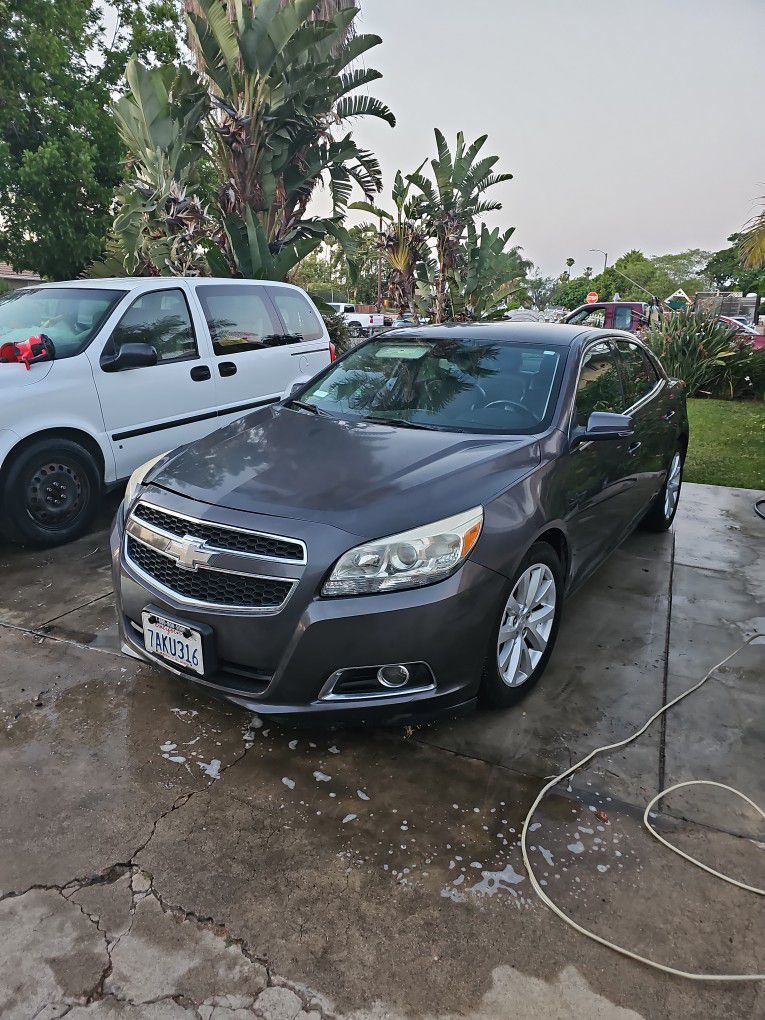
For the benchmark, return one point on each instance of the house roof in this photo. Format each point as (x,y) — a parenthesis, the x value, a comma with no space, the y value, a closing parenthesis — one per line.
(7,272)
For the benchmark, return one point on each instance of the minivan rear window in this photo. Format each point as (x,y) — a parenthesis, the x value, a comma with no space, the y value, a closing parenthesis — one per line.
(239,317)
(70,316)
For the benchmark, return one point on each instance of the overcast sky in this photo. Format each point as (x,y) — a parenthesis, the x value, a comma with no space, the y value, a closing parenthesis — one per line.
(626,123)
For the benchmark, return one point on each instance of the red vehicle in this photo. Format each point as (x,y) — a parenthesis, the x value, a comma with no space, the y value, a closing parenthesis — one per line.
(745,332)
(629,315)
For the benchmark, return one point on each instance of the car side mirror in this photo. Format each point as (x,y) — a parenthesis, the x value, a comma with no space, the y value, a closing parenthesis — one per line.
(295,385)
(604,425)
(130,355)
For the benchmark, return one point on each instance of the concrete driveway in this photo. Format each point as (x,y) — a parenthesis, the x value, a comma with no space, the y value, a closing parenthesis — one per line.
(164,855)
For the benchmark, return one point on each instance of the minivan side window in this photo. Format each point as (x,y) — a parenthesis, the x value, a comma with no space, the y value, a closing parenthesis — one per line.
(239,317)
(639,374)
(599,387)
(160,318)
(301,320)
(623,317)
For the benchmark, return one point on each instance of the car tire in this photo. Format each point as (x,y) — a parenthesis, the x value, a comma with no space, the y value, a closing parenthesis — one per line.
(509,673)
(52,492)
(661,512)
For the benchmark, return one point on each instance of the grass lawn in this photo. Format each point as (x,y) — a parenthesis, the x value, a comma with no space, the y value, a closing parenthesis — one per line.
(727,444)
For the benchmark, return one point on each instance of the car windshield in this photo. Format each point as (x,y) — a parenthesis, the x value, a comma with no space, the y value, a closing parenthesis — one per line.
(70,316)
(467,385)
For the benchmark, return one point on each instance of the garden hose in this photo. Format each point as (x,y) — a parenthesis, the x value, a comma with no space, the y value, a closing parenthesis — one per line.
(758,508)
(699,864)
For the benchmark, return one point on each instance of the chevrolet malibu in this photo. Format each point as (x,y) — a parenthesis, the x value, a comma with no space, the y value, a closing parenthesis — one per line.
(398,534)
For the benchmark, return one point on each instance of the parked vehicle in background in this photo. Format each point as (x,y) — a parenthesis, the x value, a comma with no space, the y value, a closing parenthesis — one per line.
(137,367)
(629,315)
(744,331)
(359,323)
(402,530)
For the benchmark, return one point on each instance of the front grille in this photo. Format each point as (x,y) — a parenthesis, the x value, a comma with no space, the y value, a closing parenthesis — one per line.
(221,538)
(212,587)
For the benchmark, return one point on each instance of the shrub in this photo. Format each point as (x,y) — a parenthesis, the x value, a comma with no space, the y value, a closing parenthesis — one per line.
(702,352)
(336,327)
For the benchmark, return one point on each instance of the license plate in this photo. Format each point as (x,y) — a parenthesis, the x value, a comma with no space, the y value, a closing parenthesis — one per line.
(173,641)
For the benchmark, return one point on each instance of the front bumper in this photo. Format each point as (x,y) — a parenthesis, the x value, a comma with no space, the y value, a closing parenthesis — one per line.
(283,664)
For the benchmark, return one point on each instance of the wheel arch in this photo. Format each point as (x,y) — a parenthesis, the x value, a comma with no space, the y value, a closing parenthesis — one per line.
(556,538)
(83,439)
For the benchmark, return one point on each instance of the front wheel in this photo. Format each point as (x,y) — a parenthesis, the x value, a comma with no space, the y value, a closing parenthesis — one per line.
(52,492)
(524,634)
(662,511)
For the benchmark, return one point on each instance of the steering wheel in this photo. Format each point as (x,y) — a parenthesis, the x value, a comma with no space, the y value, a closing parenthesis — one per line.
(530,418)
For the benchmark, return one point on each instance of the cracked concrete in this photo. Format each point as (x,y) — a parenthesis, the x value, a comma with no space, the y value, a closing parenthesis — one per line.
(134,883)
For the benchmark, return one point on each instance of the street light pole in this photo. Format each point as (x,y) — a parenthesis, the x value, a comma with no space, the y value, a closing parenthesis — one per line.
(604,254)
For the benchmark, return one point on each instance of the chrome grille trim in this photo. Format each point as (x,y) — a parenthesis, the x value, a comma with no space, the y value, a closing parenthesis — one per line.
(228,527)
(173,547)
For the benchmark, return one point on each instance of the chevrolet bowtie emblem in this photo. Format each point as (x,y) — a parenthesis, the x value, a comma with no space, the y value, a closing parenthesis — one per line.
(190,552)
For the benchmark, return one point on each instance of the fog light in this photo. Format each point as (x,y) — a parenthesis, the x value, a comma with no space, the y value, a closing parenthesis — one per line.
(393,676)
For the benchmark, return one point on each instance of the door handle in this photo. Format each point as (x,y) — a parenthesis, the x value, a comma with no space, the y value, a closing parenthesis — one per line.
(633,448)
(199,373)
(226,368)
(668,416)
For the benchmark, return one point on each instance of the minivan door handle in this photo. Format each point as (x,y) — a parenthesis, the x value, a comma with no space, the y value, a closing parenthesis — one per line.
(226,368)
(199,373)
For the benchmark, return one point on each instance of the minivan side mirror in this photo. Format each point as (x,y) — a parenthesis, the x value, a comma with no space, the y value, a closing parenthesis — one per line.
(130,355)
(604,425)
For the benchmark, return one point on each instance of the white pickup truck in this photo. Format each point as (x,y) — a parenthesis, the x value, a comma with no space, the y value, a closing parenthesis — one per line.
(359,323)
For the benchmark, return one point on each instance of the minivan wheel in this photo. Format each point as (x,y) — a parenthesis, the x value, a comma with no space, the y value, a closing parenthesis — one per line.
(52,492)
(524,633)
(662,511)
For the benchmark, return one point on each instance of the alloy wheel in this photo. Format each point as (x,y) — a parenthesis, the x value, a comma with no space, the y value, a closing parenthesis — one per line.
(672,485)
(526,624)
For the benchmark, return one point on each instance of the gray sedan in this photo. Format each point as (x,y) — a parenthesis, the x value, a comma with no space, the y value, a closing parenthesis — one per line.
(398,535)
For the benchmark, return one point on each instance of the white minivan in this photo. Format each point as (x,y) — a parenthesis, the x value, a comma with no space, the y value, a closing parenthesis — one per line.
(140,366)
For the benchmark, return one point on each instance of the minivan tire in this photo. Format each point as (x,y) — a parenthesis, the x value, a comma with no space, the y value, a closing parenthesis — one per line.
(494,689)
(52,492)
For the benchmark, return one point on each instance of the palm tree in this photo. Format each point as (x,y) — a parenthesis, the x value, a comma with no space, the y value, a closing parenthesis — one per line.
(402,243)
(452,201)
(752,243)
(278,82)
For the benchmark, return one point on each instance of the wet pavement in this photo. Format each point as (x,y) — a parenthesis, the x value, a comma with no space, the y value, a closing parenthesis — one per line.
(165,855)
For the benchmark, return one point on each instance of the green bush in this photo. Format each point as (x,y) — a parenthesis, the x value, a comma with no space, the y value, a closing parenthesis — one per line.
(702,352)
(336,327)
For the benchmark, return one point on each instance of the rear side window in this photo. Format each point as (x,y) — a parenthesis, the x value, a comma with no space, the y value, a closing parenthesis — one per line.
(599,387)
(301,320)
(239,317)
(161,319)
(639,374)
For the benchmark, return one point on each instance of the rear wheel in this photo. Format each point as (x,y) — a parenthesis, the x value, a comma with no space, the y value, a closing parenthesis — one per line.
(524,634)
(354,328)
(662,511)
(52,492)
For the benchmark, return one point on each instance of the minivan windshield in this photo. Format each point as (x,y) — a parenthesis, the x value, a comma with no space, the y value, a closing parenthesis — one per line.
(467,385)
(70,316)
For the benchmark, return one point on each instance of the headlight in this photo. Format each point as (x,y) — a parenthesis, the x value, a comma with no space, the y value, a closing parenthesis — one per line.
(413,558)
(136,479)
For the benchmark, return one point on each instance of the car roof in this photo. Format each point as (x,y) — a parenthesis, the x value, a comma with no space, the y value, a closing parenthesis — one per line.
(530,332)
(132,282)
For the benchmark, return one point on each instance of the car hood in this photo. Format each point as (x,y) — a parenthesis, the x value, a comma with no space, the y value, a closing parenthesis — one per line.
(368,479)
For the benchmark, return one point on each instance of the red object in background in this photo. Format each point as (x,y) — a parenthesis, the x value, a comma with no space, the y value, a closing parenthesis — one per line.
(592,297)
(332,351)
(27,352)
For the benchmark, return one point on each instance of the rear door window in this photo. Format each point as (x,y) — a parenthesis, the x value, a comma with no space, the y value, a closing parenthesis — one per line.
(623,318)
(639,374)
(161,319)
(599,387)
(299,317)
(240,318)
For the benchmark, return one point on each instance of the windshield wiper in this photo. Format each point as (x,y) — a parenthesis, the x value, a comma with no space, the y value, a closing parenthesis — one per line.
(402,423)
(305,406)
